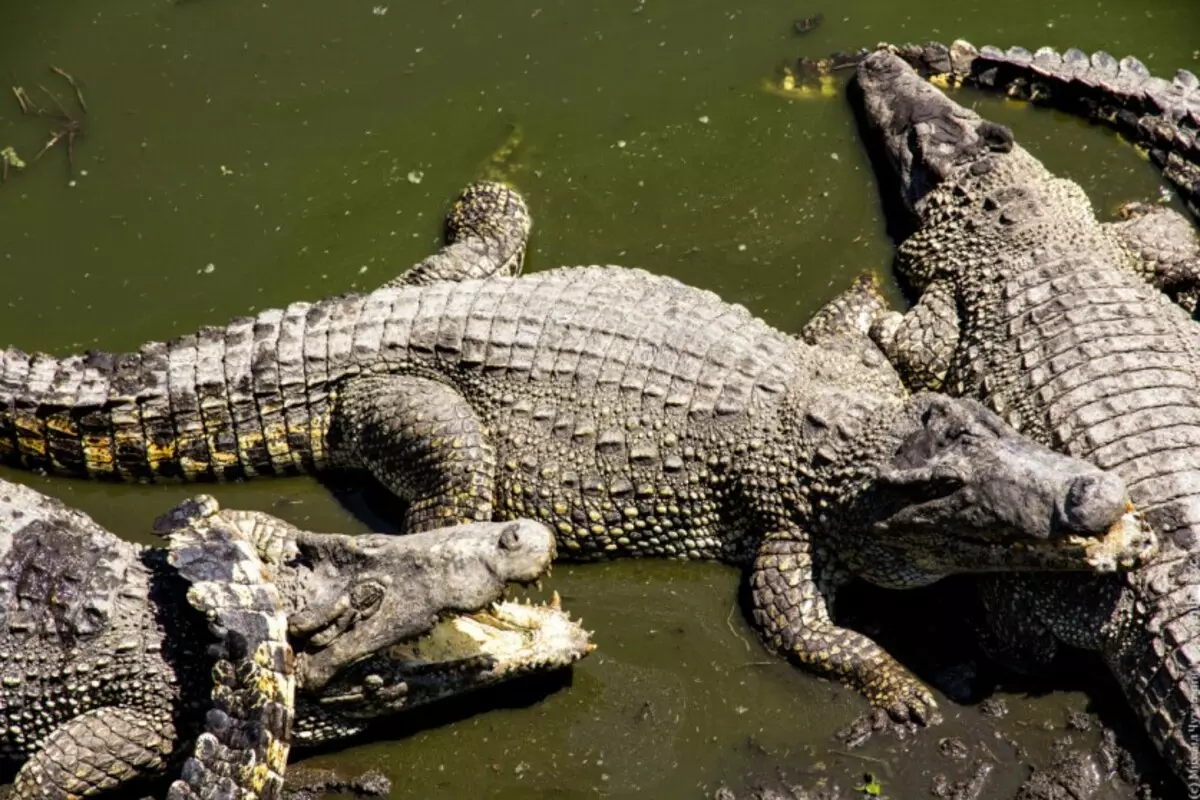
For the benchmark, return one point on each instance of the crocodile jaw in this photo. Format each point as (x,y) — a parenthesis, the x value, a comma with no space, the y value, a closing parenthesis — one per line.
(1129,543)
(462,652)
(517,637)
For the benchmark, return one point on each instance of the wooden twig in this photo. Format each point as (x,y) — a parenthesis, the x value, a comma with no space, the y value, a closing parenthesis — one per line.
(75,86)
(22,98)
(54,139)
(66,114)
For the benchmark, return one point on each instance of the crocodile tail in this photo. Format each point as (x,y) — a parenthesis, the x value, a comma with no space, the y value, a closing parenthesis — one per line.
(1162,116)
(200,407)
(1156,660)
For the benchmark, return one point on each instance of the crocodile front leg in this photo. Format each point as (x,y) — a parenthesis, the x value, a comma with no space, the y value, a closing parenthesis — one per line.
(1163,247)
(1014,635)
(921,343)
(95,752)
(793,586)
(850,315)
(487,231)
(421,440)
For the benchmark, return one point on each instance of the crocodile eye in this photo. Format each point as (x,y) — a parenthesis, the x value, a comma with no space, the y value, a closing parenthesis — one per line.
(366,597)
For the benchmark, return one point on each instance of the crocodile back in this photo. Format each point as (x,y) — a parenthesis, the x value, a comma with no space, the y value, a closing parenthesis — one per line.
(61,574)
(669,344)
(254,397)
(1061,337)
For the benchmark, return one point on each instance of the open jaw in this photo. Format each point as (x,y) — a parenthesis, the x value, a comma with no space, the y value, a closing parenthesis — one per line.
(461,653)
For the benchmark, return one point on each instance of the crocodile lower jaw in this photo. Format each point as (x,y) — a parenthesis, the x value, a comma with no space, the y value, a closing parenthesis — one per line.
(1129,543)
(514,636)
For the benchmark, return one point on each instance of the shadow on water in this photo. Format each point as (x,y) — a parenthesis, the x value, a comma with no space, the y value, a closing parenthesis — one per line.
(244,156)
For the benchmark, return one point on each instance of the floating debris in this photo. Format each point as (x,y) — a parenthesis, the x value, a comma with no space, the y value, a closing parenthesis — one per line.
(808,24)
(66,125)
(9,158)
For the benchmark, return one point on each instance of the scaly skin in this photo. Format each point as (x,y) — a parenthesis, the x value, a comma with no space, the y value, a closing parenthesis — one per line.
(634,414)
(1035,310)
(106,670)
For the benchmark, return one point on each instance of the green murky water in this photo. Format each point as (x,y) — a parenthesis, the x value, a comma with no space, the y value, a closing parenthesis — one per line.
(243,155)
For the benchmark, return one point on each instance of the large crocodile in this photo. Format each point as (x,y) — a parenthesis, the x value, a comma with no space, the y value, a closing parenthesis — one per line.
(104,672)
(1161,116)
(1026,302)
(634,414)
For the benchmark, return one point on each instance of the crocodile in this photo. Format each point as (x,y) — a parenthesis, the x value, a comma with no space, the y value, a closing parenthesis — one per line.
(105,677)
(1160,116)
(634,414)
(1024,302)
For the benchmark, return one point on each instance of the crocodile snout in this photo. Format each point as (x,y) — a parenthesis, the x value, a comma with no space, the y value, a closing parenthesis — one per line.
(1093,503)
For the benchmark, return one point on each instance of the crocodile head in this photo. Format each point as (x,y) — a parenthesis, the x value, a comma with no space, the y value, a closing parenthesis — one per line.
(923,136)
(961,491)
(351,597)
(462,652)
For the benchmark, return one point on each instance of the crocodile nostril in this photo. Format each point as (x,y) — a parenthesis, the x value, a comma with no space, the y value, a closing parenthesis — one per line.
(1093,503)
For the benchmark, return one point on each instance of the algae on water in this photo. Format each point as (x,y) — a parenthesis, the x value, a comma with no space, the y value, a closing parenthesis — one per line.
(10,158)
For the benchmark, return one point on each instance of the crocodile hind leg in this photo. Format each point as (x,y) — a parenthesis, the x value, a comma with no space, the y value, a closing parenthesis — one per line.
(793,586)
(487,230)
(1163,247)
(850,315)
(921,343)
(421,440)
(94,752)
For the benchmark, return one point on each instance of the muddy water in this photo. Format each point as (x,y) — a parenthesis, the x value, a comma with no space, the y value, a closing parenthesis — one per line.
(243,155)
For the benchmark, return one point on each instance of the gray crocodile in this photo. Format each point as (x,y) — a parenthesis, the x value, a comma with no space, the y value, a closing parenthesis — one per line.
(1162,116)
(632,413)
(1027,303)
(105,674)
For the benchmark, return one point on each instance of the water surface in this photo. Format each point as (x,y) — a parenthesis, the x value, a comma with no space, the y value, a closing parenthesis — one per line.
(239,156)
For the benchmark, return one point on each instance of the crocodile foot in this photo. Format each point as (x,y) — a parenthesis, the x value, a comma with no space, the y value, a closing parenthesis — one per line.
(903,697)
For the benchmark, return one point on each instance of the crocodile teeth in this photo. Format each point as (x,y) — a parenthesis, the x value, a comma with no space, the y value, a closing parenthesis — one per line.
(556,601)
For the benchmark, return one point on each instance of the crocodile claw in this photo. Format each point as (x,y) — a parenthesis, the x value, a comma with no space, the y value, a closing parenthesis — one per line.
(907,700)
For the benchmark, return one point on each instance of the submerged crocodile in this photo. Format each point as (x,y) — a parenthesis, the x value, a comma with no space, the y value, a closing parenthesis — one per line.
(105,673)
(1026,302)
(632,413)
